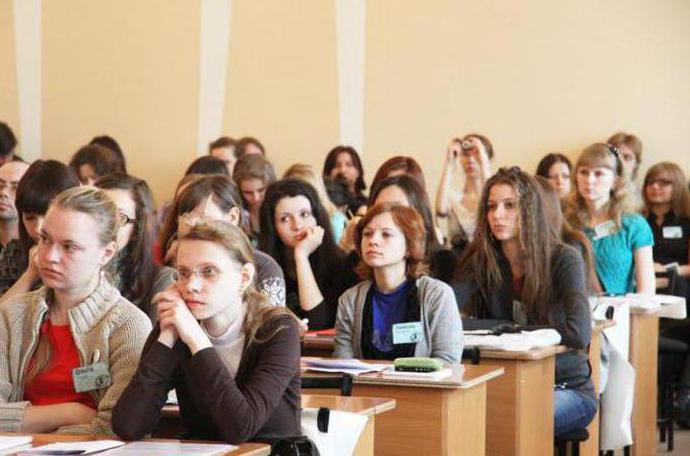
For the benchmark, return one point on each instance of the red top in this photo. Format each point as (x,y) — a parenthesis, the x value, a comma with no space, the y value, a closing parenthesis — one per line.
(54,385)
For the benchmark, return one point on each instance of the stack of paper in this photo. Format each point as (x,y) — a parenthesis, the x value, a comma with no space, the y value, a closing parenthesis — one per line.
(10,444)
(90,447)
(346,366)
(169,448)
(523,341)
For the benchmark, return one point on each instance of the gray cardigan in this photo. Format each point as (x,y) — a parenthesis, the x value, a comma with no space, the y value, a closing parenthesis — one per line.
(440,320)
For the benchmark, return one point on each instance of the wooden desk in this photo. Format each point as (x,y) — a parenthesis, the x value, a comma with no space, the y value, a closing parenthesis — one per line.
(320,346)
(591,446)
(246,449)
(370,406)
(519,418)
(432,417)
(644,344)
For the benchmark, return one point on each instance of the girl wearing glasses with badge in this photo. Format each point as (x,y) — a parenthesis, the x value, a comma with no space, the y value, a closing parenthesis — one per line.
(473,154)
(621,241)
(518,268)
(69,348)
(133,270)
(399,311)
(232,357)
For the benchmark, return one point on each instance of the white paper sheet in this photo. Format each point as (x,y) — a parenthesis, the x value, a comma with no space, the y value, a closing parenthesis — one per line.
(346,366)
(90,447)
(7,442)
(170,448)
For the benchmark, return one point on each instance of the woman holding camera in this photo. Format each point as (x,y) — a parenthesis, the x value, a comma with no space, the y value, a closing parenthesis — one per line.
(473,153)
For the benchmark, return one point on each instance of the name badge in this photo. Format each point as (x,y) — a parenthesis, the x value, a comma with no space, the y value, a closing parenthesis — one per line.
(90,378)
(604,229)
(673,232)
(407,333)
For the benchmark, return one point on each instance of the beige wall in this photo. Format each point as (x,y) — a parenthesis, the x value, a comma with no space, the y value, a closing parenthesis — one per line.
(9,103)
(534,76)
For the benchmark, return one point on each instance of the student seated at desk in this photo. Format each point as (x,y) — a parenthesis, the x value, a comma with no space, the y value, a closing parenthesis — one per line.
(232,357)
(399,311)
(76,320)
(621,241)
(518,268)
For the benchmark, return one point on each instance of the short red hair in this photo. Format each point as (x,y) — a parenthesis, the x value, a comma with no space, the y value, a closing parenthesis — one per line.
(412,226)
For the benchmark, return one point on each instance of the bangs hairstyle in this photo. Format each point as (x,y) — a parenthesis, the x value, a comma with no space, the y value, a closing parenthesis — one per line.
(259,311)
(407,166)
(136,267)
(411,224)
(598,155)
(481,261)
(680,197)
(41,183)
(219,188)
(418,200)
(332,158)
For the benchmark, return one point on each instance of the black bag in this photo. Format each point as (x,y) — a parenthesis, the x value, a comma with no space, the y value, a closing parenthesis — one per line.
(294,446)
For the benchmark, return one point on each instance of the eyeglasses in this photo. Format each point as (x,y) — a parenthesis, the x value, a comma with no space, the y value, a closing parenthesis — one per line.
(206,273)
(660,182)
(125,219)
(12,186)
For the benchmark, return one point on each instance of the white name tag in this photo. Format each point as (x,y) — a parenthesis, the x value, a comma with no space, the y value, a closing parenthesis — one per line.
(90,378)
(407,333)
(673,232)
(604,229)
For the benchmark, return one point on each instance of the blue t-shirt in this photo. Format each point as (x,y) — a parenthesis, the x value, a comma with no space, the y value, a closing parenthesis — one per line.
(613,253)
(338,222)
(389,309)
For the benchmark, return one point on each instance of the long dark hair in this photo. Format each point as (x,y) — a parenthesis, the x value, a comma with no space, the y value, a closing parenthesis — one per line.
(102,159)
(135,267)
(332,158)
(216,186)
(549,160)
(481,261)
(41,183)
(418,199)
(325,255)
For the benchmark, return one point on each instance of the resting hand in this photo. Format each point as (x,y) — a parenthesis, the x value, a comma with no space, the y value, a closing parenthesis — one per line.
(174,313)
(311,241)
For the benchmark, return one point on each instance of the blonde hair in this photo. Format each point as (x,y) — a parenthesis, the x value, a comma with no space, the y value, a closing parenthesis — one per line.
(598,155)
(96,203)
(306,173)
(232,239)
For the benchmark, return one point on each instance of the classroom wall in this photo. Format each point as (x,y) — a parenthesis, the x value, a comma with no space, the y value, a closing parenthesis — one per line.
(533,75)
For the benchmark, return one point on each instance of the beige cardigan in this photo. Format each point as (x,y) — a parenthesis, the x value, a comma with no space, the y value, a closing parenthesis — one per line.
(106,327)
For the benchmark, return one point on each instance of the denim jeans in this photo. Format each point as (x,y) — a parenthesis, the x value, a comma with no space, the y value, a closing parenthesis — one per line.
(572,410)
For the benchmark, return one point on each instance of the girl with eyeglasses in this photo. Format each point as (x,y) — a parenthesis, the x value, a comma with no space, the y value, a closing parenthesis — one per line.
(518,268)
(232,357)
(621,241)
(473,155)
(133,270)
(76,320)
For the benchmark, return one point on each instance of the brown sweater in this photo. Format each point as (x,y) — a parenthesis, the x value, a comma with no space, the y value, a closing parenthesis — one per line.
(261,403)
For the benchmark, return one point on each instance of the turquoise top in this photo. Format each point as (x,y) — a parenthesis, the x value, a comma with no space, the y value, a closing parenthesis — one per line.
(338,222)
(613,252)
